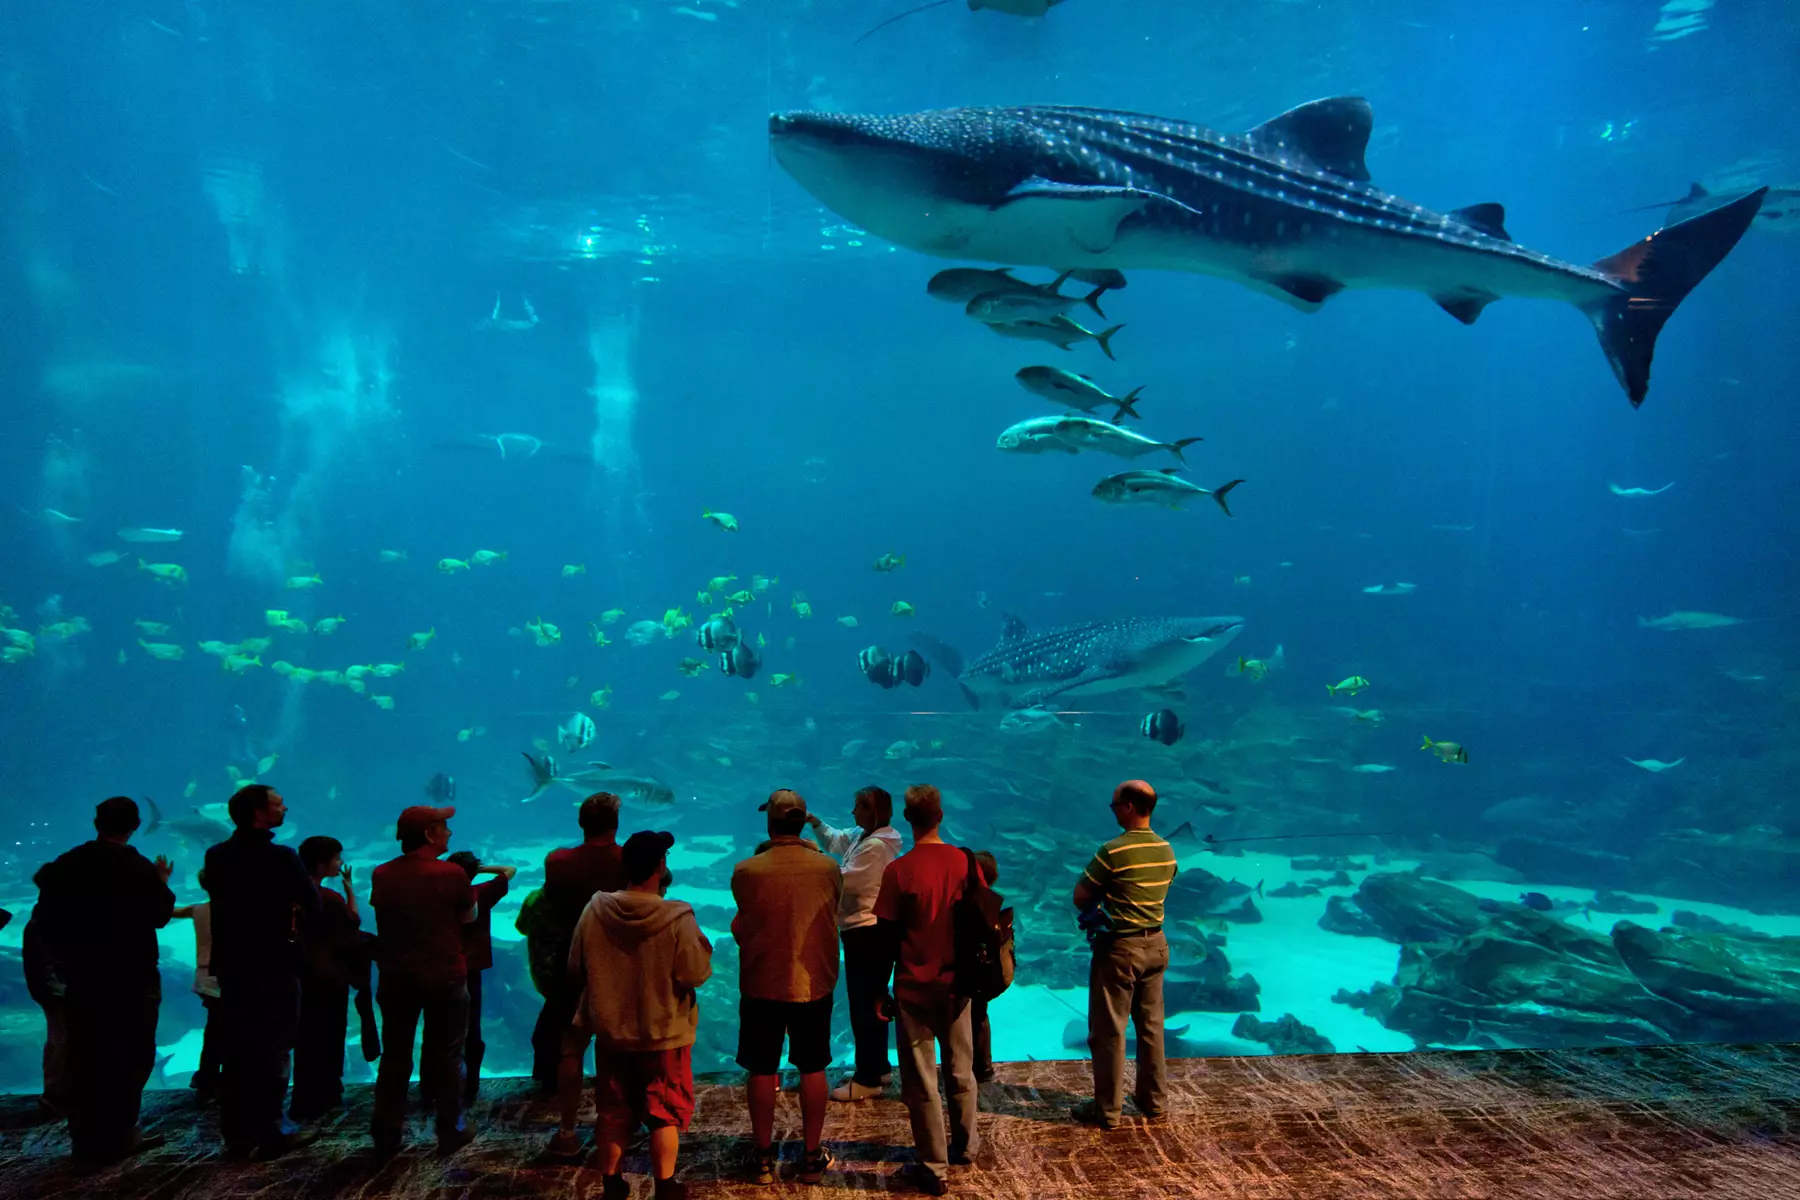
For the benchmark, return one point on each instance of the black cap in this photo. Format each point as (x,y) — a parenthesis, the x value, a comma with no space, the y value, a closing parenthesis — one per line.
(644,853)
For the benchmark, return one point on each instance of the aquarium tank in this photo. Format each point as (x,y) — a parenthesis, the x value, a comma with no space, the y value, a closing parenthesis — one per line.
(544,398)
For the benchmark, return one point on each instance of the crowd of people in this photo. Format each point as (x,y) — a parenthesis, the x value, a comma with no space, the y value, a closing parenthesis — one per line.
(283,957)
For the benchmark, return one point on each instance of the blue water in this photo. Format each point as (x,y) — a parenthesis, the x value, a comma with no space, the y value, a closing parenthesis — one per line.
(251,250)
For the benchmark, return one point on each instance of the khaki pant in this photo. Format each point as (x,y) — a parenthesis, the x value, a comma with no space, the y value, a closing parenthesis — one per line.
(1126,980)
(923,1026)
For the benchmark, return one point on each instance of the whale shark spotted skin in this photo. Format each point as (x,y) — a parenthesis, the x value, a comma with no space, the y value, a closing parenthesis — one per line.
(1286,208)
(1030,668)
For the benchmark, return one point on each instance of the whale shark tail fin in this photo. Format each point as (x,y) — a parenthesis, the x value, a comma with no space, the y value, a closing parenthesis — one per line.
(1656,273)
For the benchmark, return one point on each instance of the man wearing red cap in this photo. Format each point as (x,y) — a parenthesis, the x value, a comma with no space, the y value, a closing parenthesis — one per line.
(421,906)
(1129,877)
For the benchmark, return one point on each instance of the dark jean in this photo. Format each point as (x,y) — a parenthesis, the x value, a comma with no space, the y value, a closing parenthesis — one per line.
(111,1027)
(982,1035)
(546,1036)
(56,1051)
(445,1009)
(259,1017)
(206,1075)
(868,962)
(474,1048)
(319,1048)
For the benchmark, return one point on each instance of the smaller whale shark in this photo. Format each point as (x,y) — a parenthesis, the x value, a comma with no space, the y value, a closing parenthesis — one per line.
(1031,668)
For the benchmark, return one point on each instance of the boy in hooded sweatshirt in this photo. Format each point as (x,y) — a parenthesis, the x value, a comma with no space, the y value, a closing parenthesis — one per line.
(638,959)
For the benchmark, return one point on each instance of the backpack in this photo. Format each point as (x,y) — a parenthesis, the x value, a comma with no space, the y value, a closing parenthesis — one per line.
(984,939)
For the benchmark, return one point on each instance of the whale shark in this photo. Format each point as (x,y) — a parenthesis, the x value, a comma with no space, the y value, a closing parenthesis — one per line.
(1031,668)
(1287,209)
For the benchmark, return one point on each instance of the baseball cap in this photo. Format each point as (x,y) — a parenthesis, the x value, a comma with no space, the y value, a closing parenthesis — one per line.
(644,852)
(783,804)
(418,818)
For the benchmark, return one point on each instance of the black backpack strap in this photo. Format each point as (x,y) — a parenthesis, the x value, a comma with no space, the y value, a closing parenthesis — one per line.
(974,868)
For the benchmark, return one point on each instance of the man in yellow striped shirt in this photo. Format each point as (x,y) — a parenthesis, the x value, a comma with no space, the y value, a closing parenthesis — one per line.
(1127,879)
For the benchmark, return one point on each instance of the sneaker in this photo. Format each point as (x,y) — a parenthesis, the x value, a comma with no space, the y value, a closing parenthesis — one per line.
(285,1143)
(452,1140)
(614,1187)
(814,1166)
(851,1091)
(141,1142)
(565,1146)
(924,1179)
(1154,1116)
(762,1166)
(671,1189)
(1088,1113)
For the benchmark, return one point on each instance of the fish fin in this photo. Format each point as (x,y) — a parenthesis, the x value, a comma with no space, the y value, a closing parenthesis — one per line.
(1489,218)
(1169,471)
(1092,300)
(1125,403)
(1696,191)
(909,12)
(1054,287)
(1305,292)
(1465,306)
(1012,628)
(1104,337)
(970,696)
(1090,213)
(939,651)
(1175,446)
(1220,492)
(1332,134)
(1654,274)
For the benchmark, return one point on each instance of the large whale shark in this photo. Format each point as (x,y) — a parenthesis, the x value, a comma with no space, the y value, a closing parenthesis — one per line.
(1029,668)
(1286,208)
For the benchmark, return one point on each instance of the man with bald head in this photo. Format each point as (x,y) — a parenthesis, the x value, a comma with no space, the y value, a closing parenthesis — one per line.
(1127,881)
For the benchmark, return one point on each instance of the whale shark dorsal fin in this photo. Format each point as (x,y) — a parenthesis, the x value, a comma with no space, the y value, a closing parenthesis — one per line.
(1012,628)
(1090,212)
(1489,218)
(1696,191)
(1331,134)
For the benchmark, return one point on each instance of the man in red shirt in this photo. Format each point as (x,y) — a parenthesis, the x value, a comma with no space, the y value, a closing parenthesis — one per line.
(913,907)
(421,906)
(571,877)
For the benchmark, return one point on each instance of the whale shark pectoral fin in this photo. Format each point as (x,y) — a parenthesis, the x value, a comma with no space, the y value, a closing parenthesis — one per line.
(1332,134)
(1304,292)
(1090,214)
(1465,306)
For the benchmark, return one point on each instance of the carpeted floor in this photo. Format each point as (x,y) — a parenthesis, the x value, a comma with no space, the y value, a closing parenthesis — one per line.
(1637,1124)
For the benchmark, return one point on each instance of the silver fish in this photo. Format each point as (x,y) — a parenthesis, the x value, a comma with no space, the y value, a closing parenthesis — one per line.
(1163,487)
(1072,435)
(1076,391)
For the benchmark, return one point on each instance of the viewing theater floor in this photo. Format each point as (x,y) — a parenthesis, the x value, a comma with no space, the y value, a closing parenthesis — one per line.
(1645,1124)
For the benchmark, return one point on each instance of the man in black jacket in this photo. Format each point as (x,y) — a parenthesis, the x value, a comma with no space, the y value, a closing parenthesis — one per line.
(261,896)
(101,905)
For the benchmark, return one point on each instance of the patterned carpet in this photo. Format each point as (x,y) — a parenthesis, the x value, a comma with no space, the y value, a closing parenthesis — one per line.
(1651,1123)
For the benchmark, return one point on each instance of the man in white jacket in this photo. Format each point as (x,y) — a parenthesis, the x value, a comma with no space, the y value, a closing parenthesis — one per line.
(866,852)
